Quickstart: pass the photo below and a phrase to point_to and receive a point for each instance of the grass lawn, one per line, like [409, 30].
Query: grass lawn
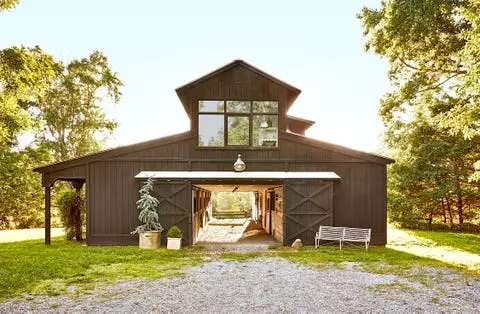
[31, 267]
[463, 241]
[27, 234]
[453, 248]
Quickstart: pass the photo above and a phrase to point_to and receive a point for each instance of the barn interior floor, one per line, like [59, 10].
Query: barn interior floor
[237, 235]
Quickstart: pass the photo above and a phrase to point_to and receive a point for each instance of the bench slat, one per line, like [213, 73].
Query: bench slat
[343, 234]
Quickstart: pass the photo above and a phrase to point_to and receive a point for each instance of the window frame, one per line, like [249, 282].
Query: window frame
[227, 114]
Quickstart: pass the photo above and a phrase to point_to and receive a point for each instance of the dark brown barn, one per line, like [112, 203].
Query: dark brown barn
[299, 182]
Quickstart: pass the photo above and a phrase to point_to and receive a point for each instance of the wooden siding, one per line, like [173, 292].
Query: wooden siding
[239, 83]
[359, 198]
[307, 206]
[77, 172]
[278, 216]
[201, 200]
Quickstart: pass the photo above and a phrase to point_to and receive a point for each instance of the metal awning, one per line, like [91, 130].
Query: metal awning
[231, 175]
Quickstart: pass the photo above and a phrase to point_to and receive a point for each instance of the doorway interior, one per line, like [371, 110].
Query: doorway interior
[237, 215]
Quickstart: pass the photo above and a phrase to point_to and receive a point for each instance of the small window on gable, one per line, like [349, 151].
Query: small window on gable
[237, 123]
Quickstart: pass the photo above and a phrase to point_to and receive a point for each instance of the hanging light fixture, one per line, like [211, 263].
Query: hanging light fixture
[239, 165]
[266, 124]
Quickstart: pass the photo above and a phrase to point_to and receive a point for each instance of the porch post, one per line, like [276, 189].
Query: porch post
[47, 214]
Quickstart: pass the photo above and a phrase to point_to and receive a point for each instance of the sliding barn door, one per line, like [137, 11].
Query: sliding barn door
[175, 207]
[307, 205]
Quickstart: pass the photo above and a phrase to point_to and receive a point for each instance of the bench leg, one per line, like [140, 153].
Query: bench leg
[316, 243]
[340, 245]
[366, 245]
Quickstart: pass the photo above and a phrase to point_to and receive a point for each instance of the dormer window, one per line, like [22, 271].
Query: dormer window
[239, 123]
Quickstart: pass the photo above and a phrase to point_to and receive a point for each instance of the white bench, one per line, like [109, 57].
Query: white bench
[343, 234]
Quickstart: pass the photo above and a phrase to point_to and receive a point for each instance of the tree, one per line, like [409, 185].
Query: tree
[432, 114]
[8, 4]
[429, 180]
[21, 193]
[58, 103]
[25, 73]
[433, 48]
[147, 204]
[70, 110]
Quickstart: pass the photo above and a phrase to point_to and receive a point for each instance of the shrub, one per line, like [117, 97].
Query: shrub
[174, 232]
[72, 207]
[147, 204]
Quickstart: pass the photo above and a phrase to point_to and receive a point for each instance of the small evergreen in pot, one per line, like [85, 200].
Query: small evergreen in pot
[174, 238]
[150, 229]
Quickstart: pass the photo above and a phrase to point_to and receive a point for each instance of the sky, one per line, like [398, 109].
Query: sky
[157, 46]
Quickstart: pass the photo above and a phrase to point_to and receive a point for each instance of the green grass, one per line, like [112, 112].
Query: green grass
[460, 240]
[376, 259]
[67, 267]
[30, 266]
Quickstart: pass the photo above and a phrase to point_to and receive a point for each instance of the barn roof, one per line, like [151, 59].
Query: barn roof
[298, 125]
[182, 90]
[232, 64]
[110, 153]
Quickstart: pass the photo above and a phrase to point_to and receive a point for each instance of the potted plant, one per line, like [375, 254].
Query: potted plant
[174, 238]
[150, 229]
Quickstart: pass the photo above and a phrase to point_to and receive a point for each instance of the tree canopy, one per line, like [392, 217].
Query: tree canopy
[432, 113]
[60, 106]
[8, 4]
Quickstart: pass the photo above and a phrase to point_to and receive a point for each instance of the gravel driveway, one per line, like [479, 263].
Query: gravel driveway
[268, 285]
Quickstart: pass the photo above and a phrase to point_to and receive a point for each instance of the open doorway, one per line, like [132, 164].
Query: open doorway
[238, 214]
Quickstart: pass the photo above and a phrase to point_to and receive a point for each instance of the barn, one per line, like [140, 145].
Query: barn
[237, 113]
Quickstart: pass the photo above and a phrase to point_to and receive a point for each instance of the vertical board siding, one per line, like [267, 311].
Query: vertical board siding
[175, 208]
[307, 205]
[278, 216]
[358, 198]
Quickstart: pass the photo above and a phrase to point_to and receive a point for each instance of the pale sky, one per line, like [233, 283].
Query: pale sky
[157, 46]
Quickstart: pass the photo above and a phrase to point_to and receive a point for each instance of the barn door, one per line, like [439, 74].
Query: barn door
[175, 207]
[307, 205]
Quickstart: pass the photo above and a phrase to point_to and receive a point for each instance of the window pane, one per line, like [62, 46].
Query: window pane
[265, 106]
[238, 106]
[265, 130]
[210, 106]
[210, 130]
[238, 130]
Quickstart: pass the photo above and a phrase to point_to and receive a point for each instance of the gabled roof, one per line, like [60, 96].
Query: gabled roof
[182, 89]
[232, 64]
[113, 152]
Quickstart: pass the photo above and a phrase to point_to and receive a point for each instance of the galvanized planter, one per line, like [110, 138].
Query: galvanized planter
[149, 240]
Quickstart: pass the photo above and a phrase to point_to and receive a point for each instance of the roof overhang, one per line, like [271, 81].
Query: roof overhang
[242, 176]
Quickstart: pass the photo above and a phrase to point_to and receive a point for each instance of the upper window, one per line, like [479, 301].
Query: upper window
[237, 123]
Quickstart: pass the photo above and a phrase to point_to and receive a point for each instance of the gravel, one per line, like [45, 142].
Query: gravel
[270, 284]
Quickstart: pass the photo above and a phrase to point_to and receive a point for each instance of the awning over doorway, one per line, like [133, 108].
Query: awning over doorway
[231, 175]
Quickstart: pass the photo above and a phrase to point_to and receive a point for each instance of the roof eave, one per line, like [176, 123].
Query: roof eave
[346, 150]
